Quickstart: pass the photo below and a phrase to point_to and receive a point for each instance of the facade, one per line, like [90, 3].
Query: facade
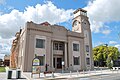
[1, 62]
[15, 50]
[54, 44]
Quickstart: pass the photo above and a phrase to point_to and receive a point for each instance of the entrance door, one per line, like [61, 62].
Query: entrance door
[54, 62]
[59, 63]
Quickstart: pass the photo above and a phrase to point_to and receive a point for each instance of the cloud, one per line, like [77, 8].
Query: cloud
[118, 46]
[2, 56]
[97, 44]
[101, 12]
[10, 23]
[106, 32]
[2, 2]
[5, 46]
[112, 42]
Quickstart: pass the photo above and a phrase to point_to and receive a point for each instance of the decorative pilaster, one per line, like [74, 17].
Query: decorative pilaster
[66, 62]
[52, 52]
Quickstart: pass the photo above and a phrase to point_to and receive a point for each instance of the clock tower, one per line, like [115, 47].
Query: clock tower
[81, 25]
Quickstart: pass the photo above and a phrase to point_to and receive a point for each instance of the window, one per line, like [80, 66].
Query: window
[42, 59]
[40, 43]
[55, 46]
[88, 61]
[58, 46]
[76, 60]
[87, 48]
[75, 47]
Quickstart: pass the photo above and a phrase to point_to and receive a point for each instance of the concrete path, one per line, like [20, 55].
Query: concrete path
[87, 75]
[4, 76]
[84, 75]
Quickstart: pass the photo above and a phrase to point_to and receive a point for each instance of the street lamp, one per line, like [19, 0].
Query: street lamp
[106, 45]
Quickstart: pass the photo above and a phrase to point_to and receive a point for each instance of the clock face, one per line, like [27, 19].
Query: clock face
[75, 25]
[85, 23]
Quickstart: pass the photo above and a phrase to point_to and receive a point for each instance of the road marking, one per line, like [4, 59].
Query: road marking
[26, 77]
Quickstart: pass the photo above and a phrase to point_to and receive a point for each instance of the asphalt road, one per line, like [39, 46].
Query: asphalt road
[114, 76]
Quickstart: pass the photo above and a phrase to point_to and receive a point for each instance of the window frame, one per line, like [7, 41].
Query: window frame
[87, 48]
[77, 47]
[88, 61]
[76, 60]
[39, 45]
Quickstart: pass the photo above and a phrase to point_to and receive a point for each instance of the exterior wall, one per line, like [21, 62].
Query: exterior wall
[91, 53]
[12, 60]
[88, 41]
[31, 46]
[15, 51]
[29, 51]
[71, 53]
[76, 54]
[55, 33]
[84, 28]
[50, 33]
[40, 51]
[22, 50]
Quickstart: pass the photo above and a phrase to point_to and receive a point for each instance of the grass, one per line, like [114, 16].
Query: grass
[2, 69]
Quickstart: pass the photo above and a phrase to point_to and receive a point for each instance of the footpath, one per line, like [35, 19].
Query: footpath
[62, 76]
[70, 75]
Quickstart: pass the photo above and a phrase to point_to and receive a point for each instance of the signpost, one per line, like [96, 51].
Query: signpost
[35, 66]
[63, 66]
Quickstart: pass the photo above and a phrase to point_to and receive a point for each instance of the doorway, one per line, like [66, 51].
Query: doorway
[59, 63]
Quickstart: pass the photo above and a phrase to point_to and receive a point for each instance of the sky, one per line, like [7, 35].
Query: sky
[104, 17]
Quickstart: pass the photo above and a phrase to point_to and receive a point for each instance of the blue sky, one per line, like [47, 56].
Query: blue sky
[103, 16]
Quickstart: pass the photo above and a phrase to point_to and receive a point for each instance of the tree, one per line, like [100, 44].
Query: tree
[105, 54]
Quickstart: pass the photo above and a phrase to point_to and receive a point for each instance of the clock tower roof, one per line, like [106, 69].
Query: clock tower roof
[79, 9]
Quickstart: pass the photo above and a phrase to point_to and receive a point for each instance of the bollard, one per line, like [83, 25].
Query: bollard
[83, 72]
[89, 72]
[101, 71]
[18, 74]
[70, 73]
[52, 75]
[77, 72]
[118, 70]
[95, 71]
[9, 75]
[112, 71]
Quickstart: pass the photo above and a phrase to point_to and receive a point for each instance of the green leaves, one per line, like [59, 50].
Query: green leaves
[105, 54]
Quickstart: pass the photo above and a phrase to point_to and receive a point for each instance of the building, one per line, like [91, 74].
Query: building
[116, 63]
[15, 50]
[6, 60]
[54, 44]
[1, 62]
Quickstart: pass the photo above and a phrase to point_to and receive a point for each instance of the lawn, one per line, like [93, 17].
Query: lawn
[2, 69]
